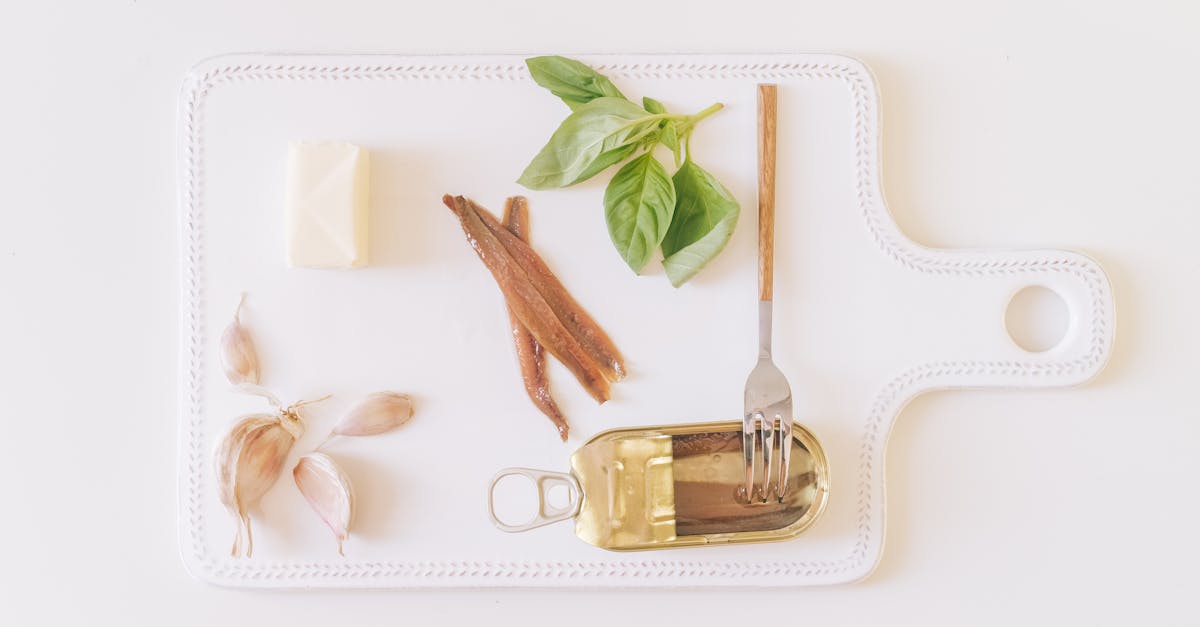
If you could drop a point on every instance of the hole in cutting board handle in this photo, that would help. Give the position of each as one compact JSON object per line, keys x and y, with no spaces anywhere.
{"x":1037,"y":318}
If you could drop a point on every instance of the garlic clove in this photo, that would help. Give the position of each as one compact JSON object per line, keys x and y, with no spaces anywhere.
{"x":225,"y":463}
{"x":328,"y":490}
{"x":378,"y":413}
{"x":260,"y":463}
{"x":238,"y":356}
{"x":248,"y":461}
{"x":229,"y":449}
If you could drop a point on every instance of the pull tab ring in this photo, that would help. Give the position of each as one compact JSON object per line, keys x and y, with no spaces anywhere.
{"x":544,"y":481}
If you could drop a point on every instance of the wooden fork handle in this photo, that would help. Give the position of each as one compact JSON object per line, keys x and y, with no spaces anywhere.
{"x":767,"y":98}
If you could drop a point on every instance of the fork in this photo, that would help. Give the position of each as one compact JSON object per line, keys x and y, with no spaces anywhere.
{"x":768,"y":397}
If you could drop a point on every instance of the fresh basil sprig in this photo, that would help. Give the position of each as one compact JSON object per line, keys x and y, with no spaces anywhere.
{"x":689,"y":216}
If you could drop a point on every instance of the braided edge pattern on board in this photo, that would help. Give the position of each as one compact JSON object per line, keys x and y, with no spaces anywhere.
{"x":888,"y":403}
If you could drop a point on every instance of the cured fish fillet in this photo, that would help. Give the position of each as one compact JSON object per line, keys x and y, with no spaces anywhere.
{"x":594,"y":340}
{"x":531,"y":357}
{"x":525,"y":301}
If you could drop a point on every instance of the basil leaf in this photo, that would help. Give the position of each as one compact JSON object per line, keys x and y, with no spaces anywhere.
{"x":704,"y":219}
{"x":669,"y":130}
{"x":595,"y":136}
{"x":574,"y":82}
{"x":638,"y":205}
{"x":652,"y":105}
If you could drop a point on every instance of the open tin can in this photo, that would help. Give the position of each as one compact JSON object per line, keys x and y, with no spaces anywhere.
{"x":674,"y":486}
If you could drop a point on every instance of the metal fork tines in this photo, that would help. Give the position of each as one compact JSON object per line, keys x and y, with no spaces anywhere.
{"x":768,"y":395}
{"x":767,"y":424}
{"x":758,"y":433}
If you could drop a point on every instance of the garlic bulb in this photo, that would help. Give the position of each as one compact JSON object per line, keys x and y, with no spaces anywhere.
{"x":248,"y":460}
{"x":378,"y":413}
{"x":328,"y":490}
{"x":238,"y":357}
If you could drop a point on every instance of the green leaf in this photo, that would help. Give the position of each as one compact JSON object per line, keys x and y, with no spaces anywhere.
{"x":652,"y":105}
{"x":574,"y":82}
{"x":668,"y":129}
{"x":595,"y":136}
{"x":705,"y":217}
{"x":638,"y":205}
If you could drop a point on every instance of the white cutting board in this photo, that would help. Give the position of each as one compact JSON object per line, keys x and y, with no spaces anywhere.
{"x":865,"y":319}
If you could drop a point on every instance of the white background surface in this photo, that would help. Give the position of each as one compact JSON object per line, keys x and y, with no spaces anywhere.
{"x":1018,"y":124}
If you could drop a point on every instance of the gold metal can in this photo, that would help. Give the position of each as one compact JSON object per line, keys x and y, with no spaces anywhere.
{"x":674,"y":486}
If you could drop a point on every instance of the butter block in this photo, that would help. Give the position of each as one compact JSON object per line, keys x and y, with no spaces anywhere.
{"x":325,"y":205}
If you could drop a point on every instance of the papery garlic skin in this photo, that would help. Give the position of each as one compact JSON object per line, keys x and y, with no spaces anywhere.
{"x":378,"y":413}
{"x":254,"y":389}
{"x":329,"y":491}
{"x":248,"y":461}
{"x":239,"y":359}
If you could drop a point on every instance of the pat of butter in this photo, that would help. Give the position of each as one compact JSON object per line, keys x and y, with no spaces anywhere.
{"x":326,"y":205}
